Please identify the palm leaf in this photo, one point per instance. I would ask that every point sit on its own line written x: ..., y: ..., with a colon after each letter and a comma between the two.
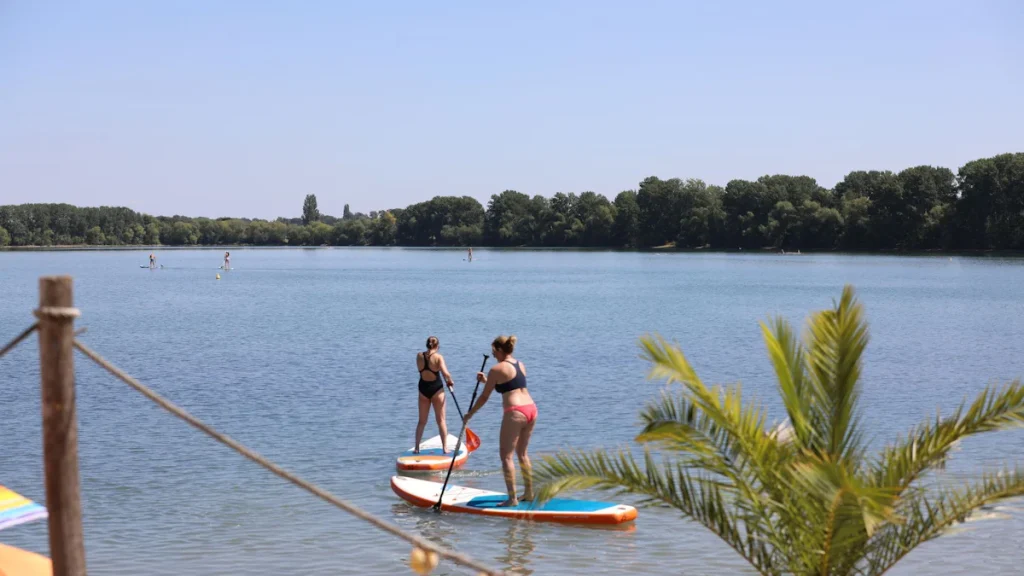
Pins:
x: 698, y: 496
x: 927, y: 518
x: 788, y: 359
x: 809, y: 503
x: 928, y: 446
x: 739, y: 429
x: 835, y: 342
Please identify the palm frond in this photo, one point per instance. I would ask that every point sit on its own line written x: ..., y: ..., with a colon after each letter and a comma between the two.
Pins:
x: 739, y: 430
x: 787, y: 358
x: 678, y: 425
x: 803, y: 499
x: 698, y: 496
x: 927, y: 446
x: 713, y: 426
x: 927, y: 518
x: 835, y: 342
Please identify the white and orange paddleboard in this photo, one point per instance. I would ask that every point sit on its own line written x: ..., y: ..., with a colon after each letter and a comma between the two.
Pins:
x: 485, y: 502
x: 432, y: 458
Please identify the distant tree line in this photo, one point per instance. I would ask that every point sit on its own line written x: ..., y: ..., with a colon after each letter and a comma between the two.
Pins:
x: 920, y: 208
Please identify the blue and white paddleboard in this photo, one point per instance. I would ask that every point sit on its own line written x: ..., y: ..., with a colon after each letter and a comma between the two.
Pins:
x: 425, y: 493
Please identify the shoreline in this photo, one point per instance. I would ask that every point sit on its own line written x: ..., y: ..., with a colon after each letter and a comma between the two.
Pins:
x: 656, y: 249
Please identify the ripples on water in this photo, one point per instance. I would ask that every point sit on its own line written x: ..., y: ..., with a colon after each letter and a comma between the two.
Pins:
x: 307, y: 356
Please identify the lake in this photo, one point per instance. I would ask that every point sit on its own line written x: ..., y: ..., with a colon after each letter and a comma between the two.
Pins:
x: 307, y: 356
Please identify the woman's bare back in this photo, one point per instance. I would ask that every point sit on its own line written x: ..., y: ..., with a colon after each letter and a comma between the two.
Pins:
x: 430, y: 369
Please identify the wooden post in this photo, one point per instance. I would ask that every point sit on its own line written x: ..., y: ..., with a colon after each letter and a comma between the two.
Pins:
x: 60, y: 425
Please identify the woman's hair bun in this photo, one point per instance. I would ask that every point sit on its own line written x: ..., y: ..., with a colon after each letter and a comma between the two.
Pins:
x: 506, y: 344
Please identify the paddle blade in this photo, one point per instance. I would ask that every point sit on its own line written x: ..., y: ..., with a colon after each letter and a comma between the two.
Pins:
x: 472, y: 440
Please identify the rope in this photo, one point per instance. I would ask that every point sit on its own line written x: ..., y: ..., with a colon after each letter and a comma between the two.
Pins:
x: 17, y: 339
x: 311, y: 488
x: 56, y: 312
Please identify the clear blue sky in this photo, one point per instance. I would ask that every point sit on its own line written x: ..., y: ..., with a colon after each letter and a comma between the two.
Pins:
x: 241, y: 108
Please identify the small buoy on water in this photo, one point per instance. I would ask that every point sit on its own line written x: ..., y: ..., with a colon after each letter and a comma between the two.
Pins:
x: 218, y: 276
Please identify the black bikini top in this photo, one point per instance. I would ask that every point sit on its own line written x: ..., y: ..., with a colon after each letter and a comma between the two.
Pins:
x: 519, y: 381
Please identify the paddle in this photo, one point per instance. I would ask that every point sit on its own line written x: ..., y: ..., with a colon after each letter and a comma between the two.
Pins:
x: 458, y: 444
x: 472, y: 440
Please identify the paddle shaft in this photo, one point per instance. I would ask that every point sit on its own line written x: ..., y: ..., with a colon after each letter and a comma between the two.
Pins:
x: 458, y: 444
x: 454, y: 399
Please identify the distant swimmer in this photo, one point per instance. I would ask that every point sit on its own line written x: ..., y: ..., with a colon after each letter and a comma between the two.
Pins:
x: 227, y: 260
x: 431, y: 367
x: 470, y: 253
x: 152, y: 261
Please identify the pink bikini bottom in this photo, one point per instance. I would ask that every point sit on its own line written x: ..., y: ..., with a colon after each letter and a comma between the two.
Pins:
x: 528, y: 410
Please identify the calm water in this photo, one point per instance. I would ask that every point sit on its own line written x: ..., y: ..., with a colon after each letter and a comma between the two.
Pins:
x: 307, y: 356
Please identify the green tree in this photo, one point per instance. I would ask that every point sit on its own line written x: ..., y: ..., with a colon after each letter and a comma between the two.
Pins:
x: 660, y: 210
x: 95, y: 237
x: 990, y: 210
x: 597, y: 216
x: 806, y: 498
x: 182, y: 234
x: 152, y: 233
x: 350, y: 232
x: 277, y: 233
x: 857, y: 219
x: 320, y: 233
x: 422, y: 224
x: 700, y: 214
x: 626, y: 231
x: 887, y: 217
x: 382, y: 229
x: 929, y: 193
x: 257, y: 233
x: 5, y: 238
x: 509, y: 220
x: 746, y: 205
x: 346, y: 213
x: 310, y: 213
x: 138, y: 234
x: 301, y: 235
x: 820, y: 225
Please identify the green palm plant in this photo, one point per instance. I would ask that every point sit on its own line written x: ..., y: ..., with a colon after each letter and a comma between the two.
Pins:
x: 807, y: 497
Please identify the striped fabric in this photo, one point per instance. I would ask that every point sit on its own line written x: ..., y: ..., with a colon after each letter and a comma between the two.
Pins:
x: 16, y: 509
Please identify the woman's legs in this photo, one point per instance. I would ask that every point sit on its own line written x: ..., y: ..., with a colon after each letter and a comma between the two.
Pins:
x: 424, y: 410
x: 524, y: 460
x: 438, y: 402
x: 512, y: 424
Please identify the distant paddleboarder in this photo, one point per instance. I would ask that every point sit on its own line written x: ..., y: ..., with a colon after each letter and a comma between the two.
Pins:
x: 508, y: 377
x: 227, y: 260
x: 152, y: 261
x: 431, y: 366
x: 470, y: 253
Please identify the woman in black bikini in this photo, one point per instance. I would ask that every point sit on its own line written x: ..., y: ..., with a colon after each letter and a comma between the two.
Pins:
x: 431, y: 366
x: 508, y: 377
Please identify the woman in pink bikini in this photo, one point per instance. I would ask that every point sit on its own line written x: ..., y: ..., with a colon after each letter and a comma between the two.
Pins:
x: 508, y: 377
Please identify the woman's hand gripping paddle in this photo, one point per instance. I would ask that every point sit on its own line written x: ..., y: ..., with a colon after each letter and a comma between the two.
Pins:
x: 472, y: 440
x: 458, y: 444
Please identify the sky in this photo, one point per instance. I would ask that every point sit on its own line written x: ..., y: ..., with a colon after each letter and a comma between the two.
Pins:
x: 241, y: 108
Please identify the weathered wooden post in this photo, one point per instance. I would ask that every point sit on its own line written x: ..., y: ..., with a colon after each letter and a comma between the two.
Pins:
x: 60, y: 425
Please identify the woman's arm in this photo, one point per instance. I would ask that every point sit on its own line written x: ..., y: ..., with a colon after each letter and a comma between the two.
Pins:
x: 446, y: 374
x: 492, y: 380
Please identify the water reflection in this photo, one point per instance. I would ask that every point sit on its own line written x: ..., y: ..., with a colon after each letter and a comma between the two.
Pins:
x: 519, y: 545
x: 429, y: 524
